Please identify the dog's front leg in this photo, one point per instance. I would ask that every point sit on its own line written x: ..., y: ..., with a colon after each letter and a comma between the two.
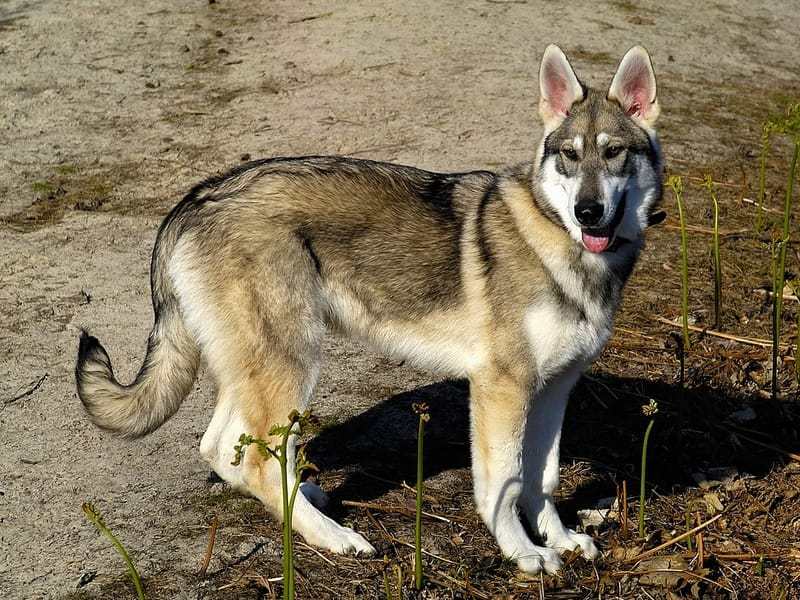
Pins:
x: 541, y: 467
x: 498, y: 414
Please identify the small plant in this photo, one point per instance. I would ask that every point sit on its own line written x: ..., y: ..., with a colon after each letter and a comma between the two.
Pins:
x: 421, y: 410
x: 789, y: 124
x: 709, y: 183
x: 777, y: 308
x: 766, y: 132
x: 95, y: 517
x: 387, y: 586
x: 676, y: 183
x: 797, y: 342
x: 279, y: 452
x: 649, y: 410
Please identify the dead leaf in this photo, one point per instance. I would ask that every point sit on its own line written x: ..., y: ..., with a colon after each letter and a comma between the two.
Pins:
x: 664, y: 571
x: 623, y: 554
x: 714, y: 503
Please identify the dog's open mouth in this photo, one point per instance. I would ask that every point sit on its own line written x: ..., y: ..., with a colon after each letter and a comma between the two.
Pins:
x: 601, y: 239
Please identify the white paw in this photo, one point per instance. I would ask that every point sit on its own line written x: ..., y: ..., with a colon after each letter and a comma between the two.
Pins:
x: 314, y: 494
x: 537, y: 559
x: 341, y: 540
x: 354, y: 543
x: 571, y: 540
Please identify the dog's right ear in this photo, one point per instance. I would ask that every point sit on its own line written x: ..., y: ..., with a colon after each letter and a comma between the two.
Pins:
x: 559, y: 87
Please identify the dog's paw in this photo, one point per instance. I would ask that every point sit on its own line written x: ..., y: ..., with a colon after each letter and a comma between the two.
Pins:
x: 572, y: 541
x: 342, y: 540
x: 538, y: 559
x: 354, y: 543
x: 314, y: 494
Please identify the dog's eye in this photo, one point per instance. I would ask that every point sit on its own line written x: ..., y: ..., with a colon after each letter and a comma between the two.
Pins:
x: 569, y: 153
x: 613, y: 152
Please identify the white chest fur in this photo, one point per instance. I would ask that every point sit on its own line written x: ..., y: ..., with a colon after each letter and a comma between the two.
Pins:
x: 558, y: 339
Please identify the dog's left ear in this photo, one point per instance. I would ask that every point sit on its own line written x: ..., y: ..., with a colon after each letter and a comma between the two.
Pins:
x: 634, y: 86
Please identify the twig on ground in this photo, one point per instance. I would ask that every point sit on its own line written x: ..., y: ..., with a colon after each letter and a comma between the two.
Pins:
x: 310, y: 18
x: 392, y: 509
x: 212, y: 537
x: 28, y: 392
x: 464, y: 586
x: 672, y: 541
x: 317, y: 552
x: 707, y: 230
x: 726, y: 336
x: 738, y: 433
x: 770, y: 294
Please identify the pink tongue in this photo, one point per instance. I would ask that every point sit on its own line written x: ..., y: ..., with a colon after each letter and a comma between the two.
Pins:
x: 593, y: 243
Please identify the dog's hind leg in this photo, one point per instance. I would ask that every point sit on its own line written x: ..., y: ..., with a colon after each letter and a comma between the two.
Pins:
x: 260, y: 326
x: 541, y: 467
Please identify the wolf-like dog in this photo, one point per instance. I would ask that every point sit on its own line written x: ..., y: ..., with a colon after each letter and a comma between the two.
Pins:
x: 509, y: 279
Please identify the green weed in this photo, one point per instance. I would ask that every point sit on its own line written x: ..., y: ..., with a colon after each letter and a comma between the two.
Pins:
x: 279, y: 452
x: 649, y: 410
x: 676, y: 183
x: 709, y: 183
x: 421, y: 410
x: 95, y: 517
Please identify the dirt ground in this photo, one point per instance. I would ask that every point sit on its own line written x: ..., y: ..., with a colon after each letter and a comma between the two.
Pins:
x: 112, y: 110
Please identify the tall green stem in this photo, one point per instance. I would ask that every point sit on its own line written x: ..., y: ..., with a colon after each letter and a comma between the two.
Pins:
x: 797, y: 344
x: 288, y: 566
x: 418, y: 523
x: 709, y: 183
x: 676, y: 183
x: 94, y: 516
x: 644, y: 476
x: 780, y: 270
x: 762, y: 177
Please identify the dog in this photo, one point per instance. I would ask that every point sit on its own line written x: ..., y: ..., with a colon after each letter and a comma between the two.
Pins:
x: 509, y: 279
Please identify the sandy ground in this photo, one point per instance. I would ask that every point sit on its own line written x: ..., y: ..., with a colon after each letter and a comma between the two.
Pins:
x: 111, y: 110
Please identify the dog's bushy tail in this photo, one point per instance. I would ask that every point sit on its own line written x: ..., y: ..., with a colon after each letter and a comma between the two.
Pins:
x: 165, y: 379
x: 170, y: 365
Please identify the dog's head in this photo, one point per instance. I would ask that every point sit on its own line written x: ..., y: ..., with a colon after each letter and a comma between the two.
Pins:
x: 599, y: 167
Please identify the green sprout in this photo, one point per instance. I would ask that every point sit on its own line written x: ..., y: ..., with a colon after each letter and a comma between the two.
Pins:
x: 649, y: 410
x: 95, y: 517
x: 789, y: 125
x: 421, y: 410
x: 279, y: 452
x: 766, y: 133
x: 709, y: 183
x: 676, y: 183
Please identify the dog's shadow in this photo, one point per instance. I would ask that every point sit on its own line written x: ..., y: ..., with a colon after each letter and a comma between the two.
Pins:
x: 604, y: 427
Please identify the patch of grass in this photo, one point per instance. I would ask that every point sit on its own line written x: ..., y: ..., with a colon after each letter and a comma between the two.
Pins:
x: 66, y: 188
x: 626, y: 6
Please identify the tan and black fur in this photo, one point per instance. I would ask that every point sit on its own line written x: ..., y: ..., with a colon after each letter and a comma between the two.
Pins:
x: 480, y: 275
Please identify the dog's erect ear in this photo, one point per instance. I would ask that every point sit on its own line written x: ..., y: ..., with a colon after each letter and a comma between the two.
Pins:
x: 634, y: 86
x: 558, y: 86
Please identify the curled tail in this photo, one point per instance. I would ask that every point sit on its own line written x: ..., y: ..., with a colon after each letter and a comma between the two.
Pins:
x: 170, y: 366
x: 165, y: 379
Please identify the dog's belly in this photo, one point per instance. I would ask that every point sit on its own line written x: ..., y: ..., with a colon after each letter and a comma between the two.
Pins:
x: 443, y: 341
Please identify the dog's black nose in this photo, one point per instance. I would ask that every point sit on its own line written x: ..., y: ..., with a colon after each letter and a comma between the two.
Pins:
x: 588, y: 212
